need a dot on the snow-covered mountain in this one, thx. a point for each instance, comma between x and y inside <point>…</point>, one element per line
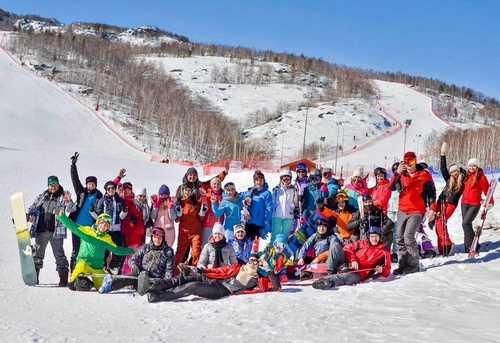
<point>455,300</point>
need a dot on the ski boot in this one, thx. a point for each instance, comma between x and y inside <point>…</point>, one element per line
<point>413,265</point>
<point>323,283</point>
<point>107,284</point>
<point>403,264</point>
<point>63,279</point>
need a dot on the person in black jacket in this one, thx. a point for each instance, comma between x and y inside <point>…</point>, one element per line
<point>84,211</point>
<point>447,202</point>
<point>156,259</point>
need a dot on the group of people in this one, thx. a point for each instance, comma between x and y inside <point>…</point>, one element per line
<point>231,242</point>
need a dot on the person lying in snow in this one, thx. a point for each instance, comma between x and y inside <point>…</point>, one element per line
<point>366,258</point>
<point>155,258</point>
<point>211,283</point>
<point>95,240</point>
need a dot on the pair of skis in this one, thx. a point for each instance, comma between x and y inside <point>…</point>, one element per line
<point>473,252</point>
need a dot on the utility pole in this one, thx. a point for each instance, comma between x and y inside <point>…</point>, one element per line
<point>321,140</point>
<point>407,124</point>
<point>308,96</point>
<point>418,142</point>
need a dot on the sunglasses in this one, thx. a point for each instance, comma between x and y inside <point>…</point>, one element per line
<point>253,261</point>
<point>286,179</point>
<point>301,171</point>
<point>230,189</point>
<point>111,188</point>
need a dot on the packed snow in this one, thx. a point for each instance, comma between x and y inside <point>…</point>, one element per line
<point>455,300</point>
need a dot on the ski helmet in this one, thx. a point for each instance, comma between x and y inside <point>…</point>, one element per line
<point>104,217</point>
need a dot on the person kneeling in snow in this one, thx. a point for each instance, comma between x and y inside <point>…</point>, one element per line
<point>155,258</point>
<point>212,284</point>
<point>319,243</point>
<point>95,240</point>
<point>366,259</point>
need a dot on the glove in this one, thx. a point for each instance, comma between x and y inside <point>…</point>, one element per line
<point>133,220</point>
<point>444,148</point>
<point>170,203</point>
<point>203,210</point>
<point>296,213</point>
<point>122,173</point>
<point>155,201</point>
<point>178,210</point>
<point>74,158</point>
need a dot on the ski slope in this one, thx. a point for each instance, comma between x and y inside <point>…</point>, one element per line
<point>454,301</point>
<point>401,103</point>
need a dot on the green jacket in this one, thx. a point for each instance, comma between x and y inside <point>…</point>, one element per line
<point>93,243</point>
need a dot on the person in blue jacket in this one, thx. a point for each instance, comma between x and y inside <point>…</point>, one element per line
<point>241,244</point>
<point>259,201</point>
<point>313,193</point>
<point>229,208</point>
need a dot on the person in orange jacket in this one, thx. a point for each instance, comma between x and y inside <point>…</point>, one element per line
<point>189,219</point>
<point>342,214</point>
<point>366,259</point>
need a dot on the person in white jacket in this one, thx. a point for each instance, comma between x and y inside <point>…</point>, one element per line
<point>285,203</point>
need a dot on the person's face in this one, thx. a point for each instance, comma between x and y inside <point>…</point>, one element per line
<point>322,229</point>
<point>411,168</point>
<point>91,186</point>
<point>380,177</point>
<point>301,173</point>
<point>53,188</point>
<point>157,239</point>
<point>253,263</point>
<point>374,238</point>
<point>103,226</point>
<point>215,184</point>
<point>472,169</point>
<point>218,237</point>
<point>111,190</point>
<point>327,175</point>
<point>259,182</point>
<point>231,191</point>
<point>127,191</point>
<point>239,235</point>
<point>141,198</point>
<point>192,177</point>
<point>286,180</point>
<point>368,203</point>
<point>356,180</point>
<point>341,204</point>
<point>455,174</point>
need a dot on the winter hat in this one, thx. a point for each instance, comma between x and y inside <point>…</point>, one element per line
<point>91,179</point>
<point>229,185</point>
<point>52,180</point>
<point>453,168</point>
<point>218,228</point>
<point>357,173</point>
<point>327,170</point>
<point>380,171</point>
<point>164,191</point>
<point>108,184</point>
<point>301,166</point>
<point>258,175</point>
<point>192,170</point>
<point>473,162</point>
<point>321,221</point>
<point>342,195</point>
<point>367,197</point>
<point>103,217</point>
<point>143,191</point>
<point>158,231</point>
<point>239,227</point>
<point>410,158</point>
<point>375,229</point>
<point>285,174</point>
<point>127,185</point>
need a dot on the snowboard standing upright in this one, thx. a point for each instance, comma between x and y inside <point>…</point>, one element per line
<point>473,252</point>
<point>23,239</point>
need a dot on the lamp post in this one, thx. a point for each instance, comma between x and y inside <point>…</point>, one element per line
<point>307,96</point>
<point>418,142</point>
<point>407,124</point>
<point>321,140</point>
<point>339,124</point>
<point>282,145</point>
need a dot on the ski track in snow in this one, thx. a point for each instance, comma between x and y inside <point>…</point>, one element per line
<point>454,300</point>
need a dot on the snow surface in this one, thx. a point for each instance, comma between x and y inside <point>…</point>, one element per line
<point>454,301</point>
<point>235,100</point>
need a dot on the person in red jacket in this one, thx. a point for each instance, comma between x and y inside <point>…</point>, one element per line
<point>210,193</point>
<point>475,184</point>
<point>366,259</point>
<point>189,219</point>
<point>132,227</point>
<point>417,193</point>
<point>381,192</point>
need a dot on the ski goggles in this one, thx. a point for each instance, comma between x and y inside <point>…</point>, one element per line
<point>253,260</point>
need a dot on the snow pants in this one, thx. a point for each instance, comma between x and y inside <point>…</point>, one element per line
<point>281,226</point>
<point>469,213</point>
<point>211,289</point>
<point>42,239</point>
<point>253,231</point>
<point>343,279</point>
<point>406,227</point>
<point>444,242</point>
<point>336,257</point>
<point>187,242</point>
<point>82,268</point>
<point>116,261</point>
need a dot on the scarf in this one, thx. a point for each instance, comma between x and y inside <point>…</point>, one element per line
<point>218,246</point>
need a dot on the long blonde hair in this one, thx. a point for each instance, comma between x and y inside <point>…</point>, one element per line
<point>456,183</point>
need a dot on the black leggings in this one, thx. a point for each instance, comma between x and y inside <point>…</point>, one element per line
<point>469,213</point>
<point>206,289</point>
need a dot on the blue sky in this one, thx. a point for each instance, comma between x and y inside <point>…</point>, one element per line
<point>456,41</point>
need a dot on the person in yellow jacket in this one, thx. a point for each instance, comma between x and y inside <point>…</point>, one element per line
<point>95,240</point>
